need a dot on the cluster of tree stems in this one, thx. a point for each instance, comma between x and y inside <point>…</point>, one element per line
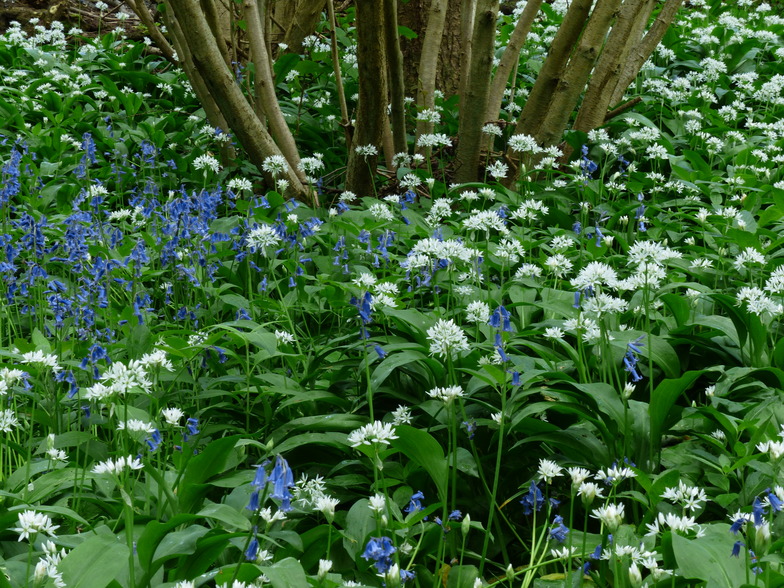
<point>595,55</point>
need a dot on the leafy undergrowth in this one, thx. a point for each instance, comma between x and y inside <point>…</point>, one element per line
<point>575,380</point>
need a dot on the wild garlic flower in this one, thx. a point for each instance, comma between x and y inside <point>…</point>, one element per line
<point>31,522</point>
<point>114,467</point>
<point>478,312</point>
<point>447,395</point>
<point>172,416</point>
<point>691,497</point>
<point>261,237</point>
<point>206,162</point>
<point>549,470</point>
<point>38,357</point>
<point>611,516</point>
<point>373,433</point>
<point>446,338</point>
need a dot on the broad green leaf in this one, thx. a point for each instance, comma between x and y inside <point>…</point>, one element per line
<point>105,553</point>
<point>708,558</point>
<point>421,448</point>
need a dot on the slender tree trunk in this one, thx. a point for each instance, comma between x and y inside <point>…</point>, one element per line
<point>222,86</point>
<point>467,15</point>
<point>642,51</point>
<point>550,75</point>
<point>372,103</point>
<point>634,14</point>
<point>217,28</point>
<point>472,115</point>
<point>509,59</point>
<point>300,21</point>
<point>428,63</point>
<point>141,10</point>
<point>576,76</point>
<point>397,90</point>
<point>344,121</point>
<point>265,87</point>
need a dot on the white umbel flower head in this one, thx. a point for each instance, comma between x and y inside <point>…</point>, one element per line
<point>611,516</point>
<point>549,470</point>
<point>446,337</point>
<point>377,432</point>
<point>114,467</point>
<point>31,522</point>
<point>448,395</point>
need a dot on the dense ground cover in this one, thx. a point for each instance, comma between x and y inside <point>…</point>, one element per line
<point>446,385</point>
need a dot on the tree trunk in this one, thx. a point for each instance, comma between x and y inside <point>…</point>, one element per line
<point>297,20</point>
<point>428,63</point>
<point>576,76</point>
<point>222,86</point>
<point>372,103</point>
<point>550,75</point>
<point>474,101</point>
<point>510,58</point>
<point>634,15</point>
<point>265,87</point>
<point>397,90</point>
<point>643,50</point>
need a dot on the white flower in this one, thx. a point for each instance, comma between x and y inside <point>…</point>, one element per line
<point>172,416</point>
<point>748,255</point>
<point>524,144</point>
<point>690,497</point>
<point>486,220</point>
<point>275,165</point>
<point>31,522</point>
<point>284,337</point>
<point>8,420</point>
<point>774,448</point>
<point>447,395</point>
<point>578,475</point>
<point>117,466</point>
<point>478,312</point>
<point>326,504</point>
<point>548,470</point>
<point>239,184</point>
<point>498,169</point>
<point>377,432</point>
<point>324,566</point>
<point>554,333</point>
<point>135,425</point>
<point>401,415</point>
<point>366,150</point>
<point>446,337</point>
<point>611,516</point>
<point>377,503</point>
<point>588,491</point>
<point>261,237</point>
<point>381,211</point>
<point>38,357</point>
<point>206,162</point>
<point>157,359</point>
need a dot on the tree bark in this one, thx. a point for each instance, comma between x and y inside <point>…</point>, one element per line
<point>474,101</point>
<point>372,103</point>
<point>222,86</point>
<point>265,87</point>
<point>608,69</point>
<point>300,21</point>
<point>550,75</point>
<point>576,76</point>
<point>397,89</point>
<point>641,52</point>
<point>428,63</point>
<point>510,58</point>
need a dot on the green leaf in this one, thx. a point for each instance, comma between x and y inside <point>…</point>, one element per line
<point>421,448</point>
<point>708,558</point>
<point>95,562</point>
<point>662,401</point>
<point>210,462</point>
<point>227,515</point>
<point>286,573</point>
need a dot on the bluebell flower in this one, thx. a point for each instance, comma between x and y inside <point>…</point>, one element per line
<point>282,480</point>
<point>380,351</point>
<point>560,531</point>
<point>758,511</point>
<point>470,427</point>
<point>242,315</point>
<point>737,525</point>
<point>415,504</point>
<point>532,500</point>
<point>253,503</point>
<point>253,549</point>
<point>380,550</point>
<point>406,575</point>
<point>597,553</point>
<point>736,548</point>
<point>500,319</point>
<point>515,378</point>
<point>154,441</point>
<point>774,501</point>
